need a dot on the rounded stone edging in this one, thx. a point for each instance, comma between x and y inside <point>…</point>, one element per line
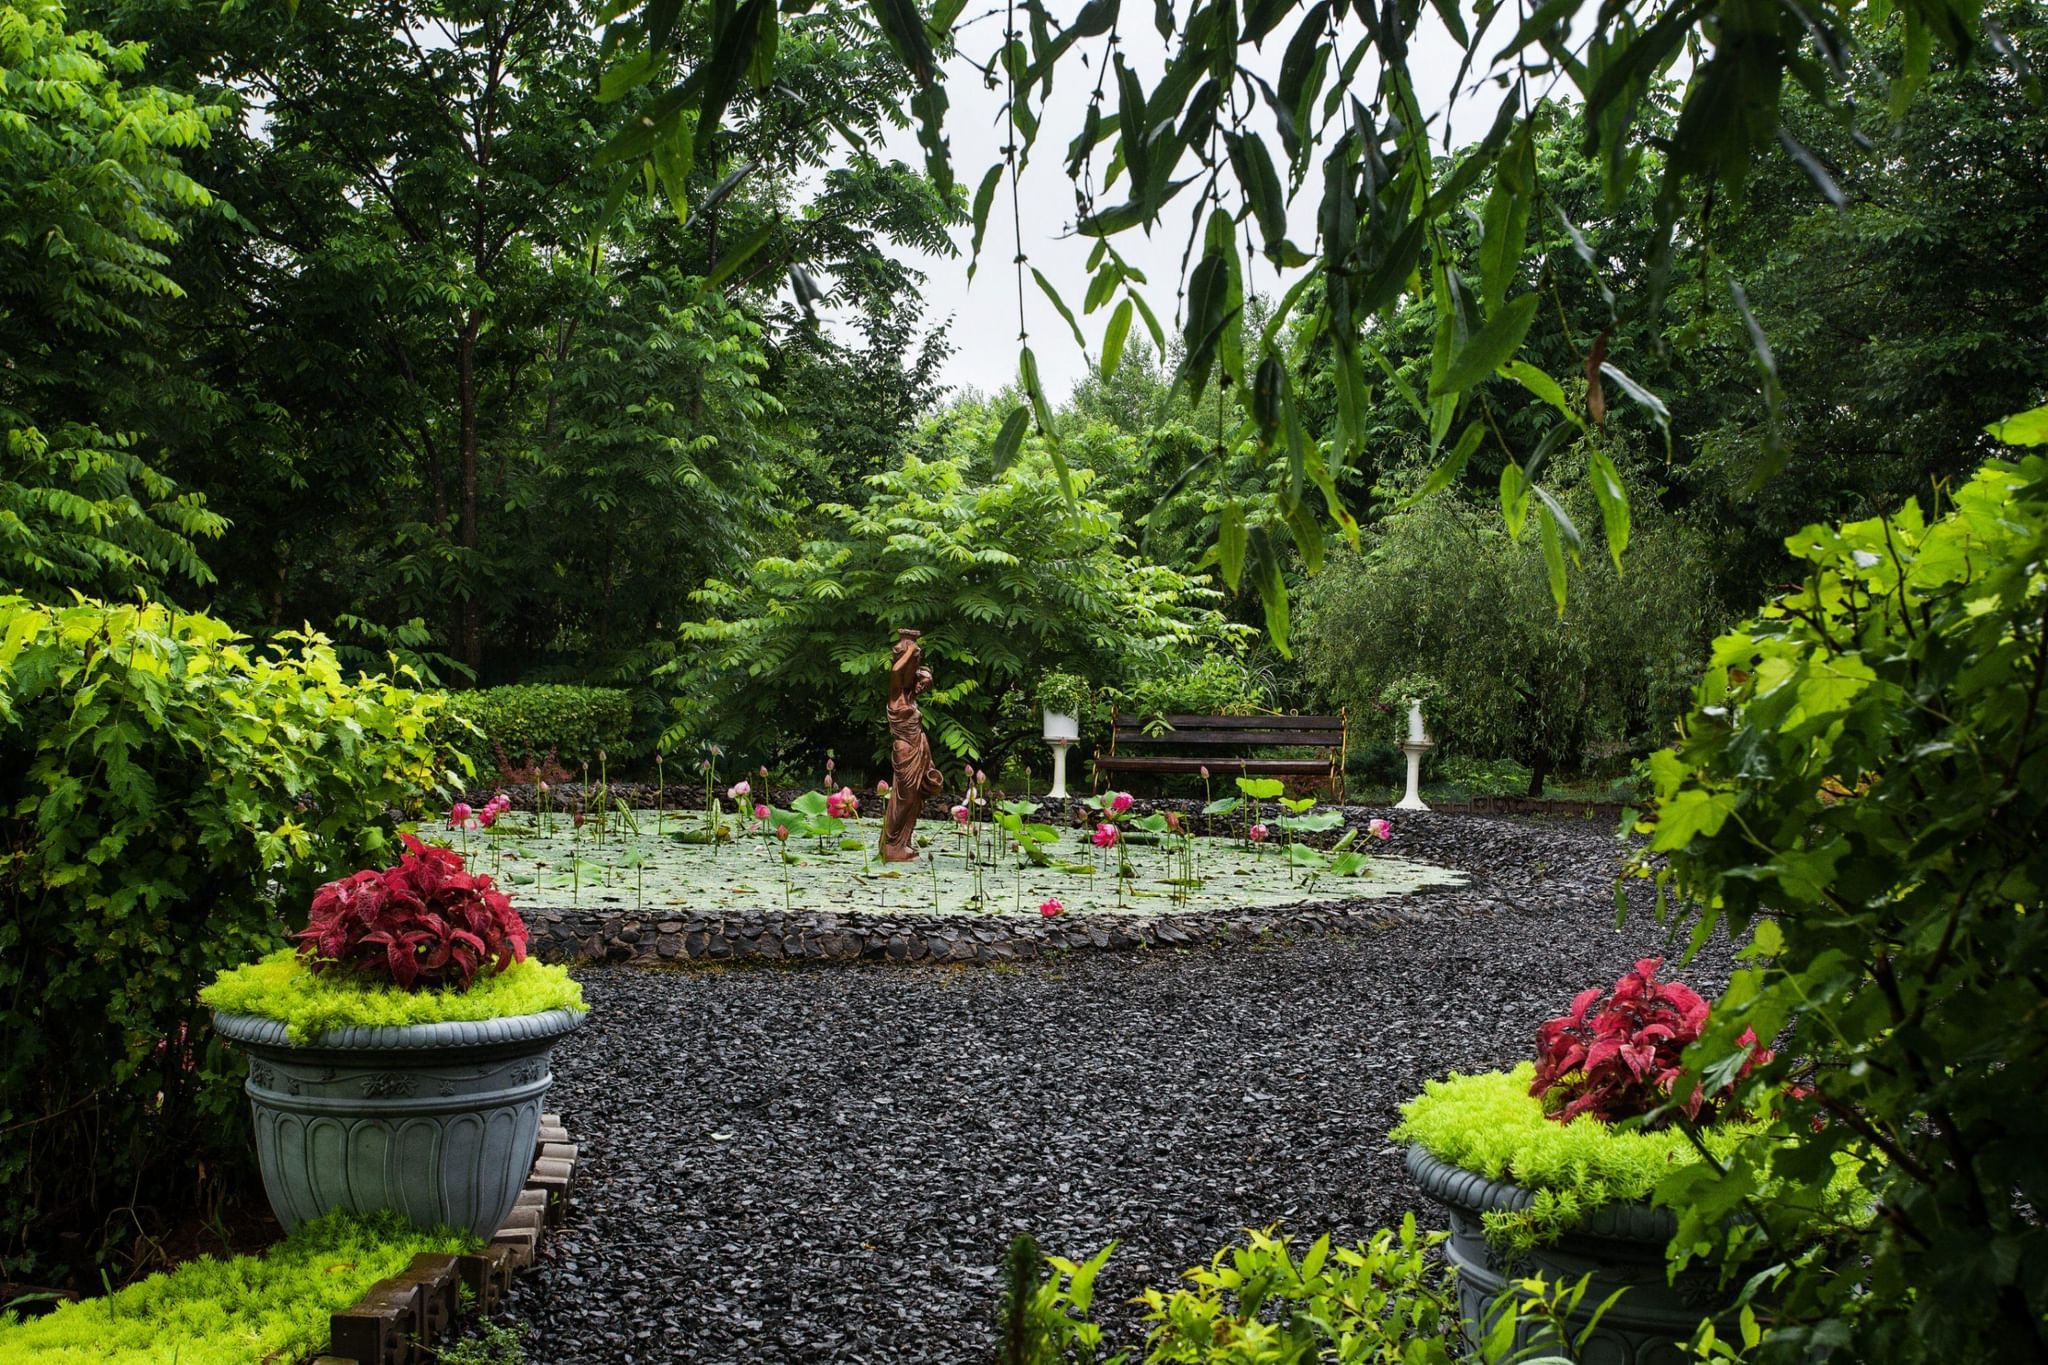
<point>455,1033</point>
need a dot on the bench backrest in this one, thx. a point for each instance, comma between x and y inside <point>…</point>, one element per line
<point>1236,732</point>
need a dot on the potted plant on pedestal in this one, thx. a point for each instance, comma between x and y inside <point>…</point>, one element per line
<point>1547,1169</point>
<point>399,1057</point>
<point>1061,696</point>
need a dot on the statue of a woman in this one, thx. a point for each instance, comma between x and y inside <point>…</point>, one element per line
<point>913,775</point>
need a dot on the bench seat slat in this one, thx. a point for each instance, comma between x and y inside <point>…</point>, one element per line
<point>1222,767</point>
<point>1124,720</point>
<point>1318,739</point>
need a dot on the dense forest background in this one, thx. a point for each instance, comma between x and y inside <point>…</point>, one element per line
<point>384,346</point>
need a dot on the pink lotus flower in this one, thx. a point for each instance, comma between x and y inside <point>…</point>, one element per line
<point>980,778</point>
<point>1105,836</point>
<point>1120,803</point>
<point>842,804</point>
<point>1259,833</point>
<point>761,812</point>
<point>782,833</point>
<point>1205,772</point>
<point>1051,908</point>
<point>458,815</point>
<point>489,816</point>
<point>738,790</point>
<point>1380,829</point>
<point>881,788</point>
<point>960,814</point>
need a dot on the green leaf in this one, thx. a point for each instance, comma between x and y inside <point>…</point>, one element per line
<point>1009,439</point>
<point>984,199</point>
<point>1113,338</point>
<point>1489,348</point>
<point>1538,382</point>
<point>2028,428</point>
<point>1060,305</point>
<point>1453,464</point>
<point>1613,499</point>
<point>1231,542</point>
<point>1514,498</point>
<point>740,252</point>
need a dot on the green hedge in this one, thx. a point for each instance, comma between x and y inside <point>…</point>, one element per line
<point>169,798</point>
<point>245,1308</point>
<point>526,720</point>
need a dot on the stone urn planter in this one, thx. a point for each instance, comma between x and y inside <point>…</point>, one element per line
<point>1620,1246</point>
<point>435,1121</point>
<point>1059,725</point>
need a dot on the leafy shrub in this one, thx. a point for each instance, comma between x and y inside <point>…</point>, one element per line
<point>280,987</point>
<point>1495,1125</point>
<point>1621,1059</point>
<point>1442,600</point>
<point>1063,694</point>
<point>530,721</point>
<point>1863,784</point>
<point>1006,580</point>
<point>429,921</point>
<point>273,1306</point>
<point>1221,682</point>
<point>164,791</point>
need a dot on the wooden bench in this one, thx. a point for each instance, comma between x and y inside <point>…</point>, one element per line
<point>1214,742</point>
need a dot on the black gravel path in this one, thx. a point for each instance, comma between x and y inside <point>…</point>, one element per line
<point>825,1163</point>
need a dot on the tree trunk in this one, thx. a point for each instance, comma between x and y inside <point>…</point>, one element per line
<point>472,607</point>
<point>1537,772</point>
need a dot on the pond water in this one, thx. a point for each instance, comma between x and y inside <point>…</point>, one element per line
<point>661,862</point>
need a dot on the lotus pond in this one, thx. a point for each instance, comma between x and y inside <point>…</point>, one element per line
<point>648,860</point>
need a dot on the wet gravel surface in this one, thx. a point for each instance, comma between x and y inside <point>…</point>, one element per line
<point>825,1163</point>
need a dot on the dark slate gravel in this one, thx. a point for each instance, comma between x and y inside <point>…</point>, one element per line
<point>825,1163</point>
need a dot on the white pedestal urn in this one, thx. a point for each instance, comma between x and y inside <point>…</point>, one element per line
<point>1415,746</point>
<point>1061,731</point>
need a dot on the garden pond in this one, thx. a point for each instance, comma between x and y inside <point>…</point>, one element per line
<point>650,860</point>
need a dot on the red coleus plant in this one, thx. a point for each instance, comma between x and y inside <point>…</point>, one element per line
<point>1616,1054</point>
<point>427,922</point>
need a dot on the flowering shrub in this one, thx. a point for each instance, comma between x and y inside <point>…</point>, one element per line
<point>1616,1054</point>
<point>426,922</point>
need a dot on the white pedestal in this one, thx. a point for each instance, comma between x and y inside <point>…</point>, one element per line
<point>1059,770</point>
<point>1415,749</point>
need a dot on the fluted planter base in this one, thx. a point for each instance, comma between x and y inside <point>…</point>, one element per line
<point>1619,1247</point>
<point>434,1121</point>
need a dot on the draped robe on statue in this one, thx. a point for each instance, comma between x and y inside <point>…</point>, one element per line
<point>914,776</point>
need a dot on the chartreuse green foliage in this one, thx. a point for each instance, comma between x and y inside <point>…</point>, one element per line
<point>1491,1124</point>
<point>1389,1300</point>
<point>1007,580</point>
<point>230,1312</point>
<point>530,720</point>
<point>1863,781</point>
<point>310,1003</point>
<point>168,795</point>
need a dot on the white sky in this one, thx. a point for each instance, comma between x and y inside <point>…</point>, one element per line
<point>984,311</point>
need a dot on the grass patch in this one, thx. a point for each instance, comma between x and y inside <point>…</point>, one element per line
<point>230,1312</point>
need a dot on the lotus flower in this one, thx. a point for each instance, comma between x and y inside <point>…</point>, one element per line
<point>881,788</point>
<point>1379,829</point>
<point>842,804</point>
<point>761,812</point>
<point>782,833</point>
<point>738,789</point>
<point>1051,908</point>
<point>1105,836</point>
<point>1259,833</point>
<point>1120,803</point>
<point>960,814</point>
<point>458,815</point>
<point>1205,772</point>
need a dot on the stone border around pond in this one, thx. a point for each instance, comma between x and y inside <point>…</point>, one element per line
<point>825,936</point>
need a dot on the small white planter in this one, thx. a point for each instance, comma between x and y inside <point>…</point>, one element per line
<point>1058,726</point>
